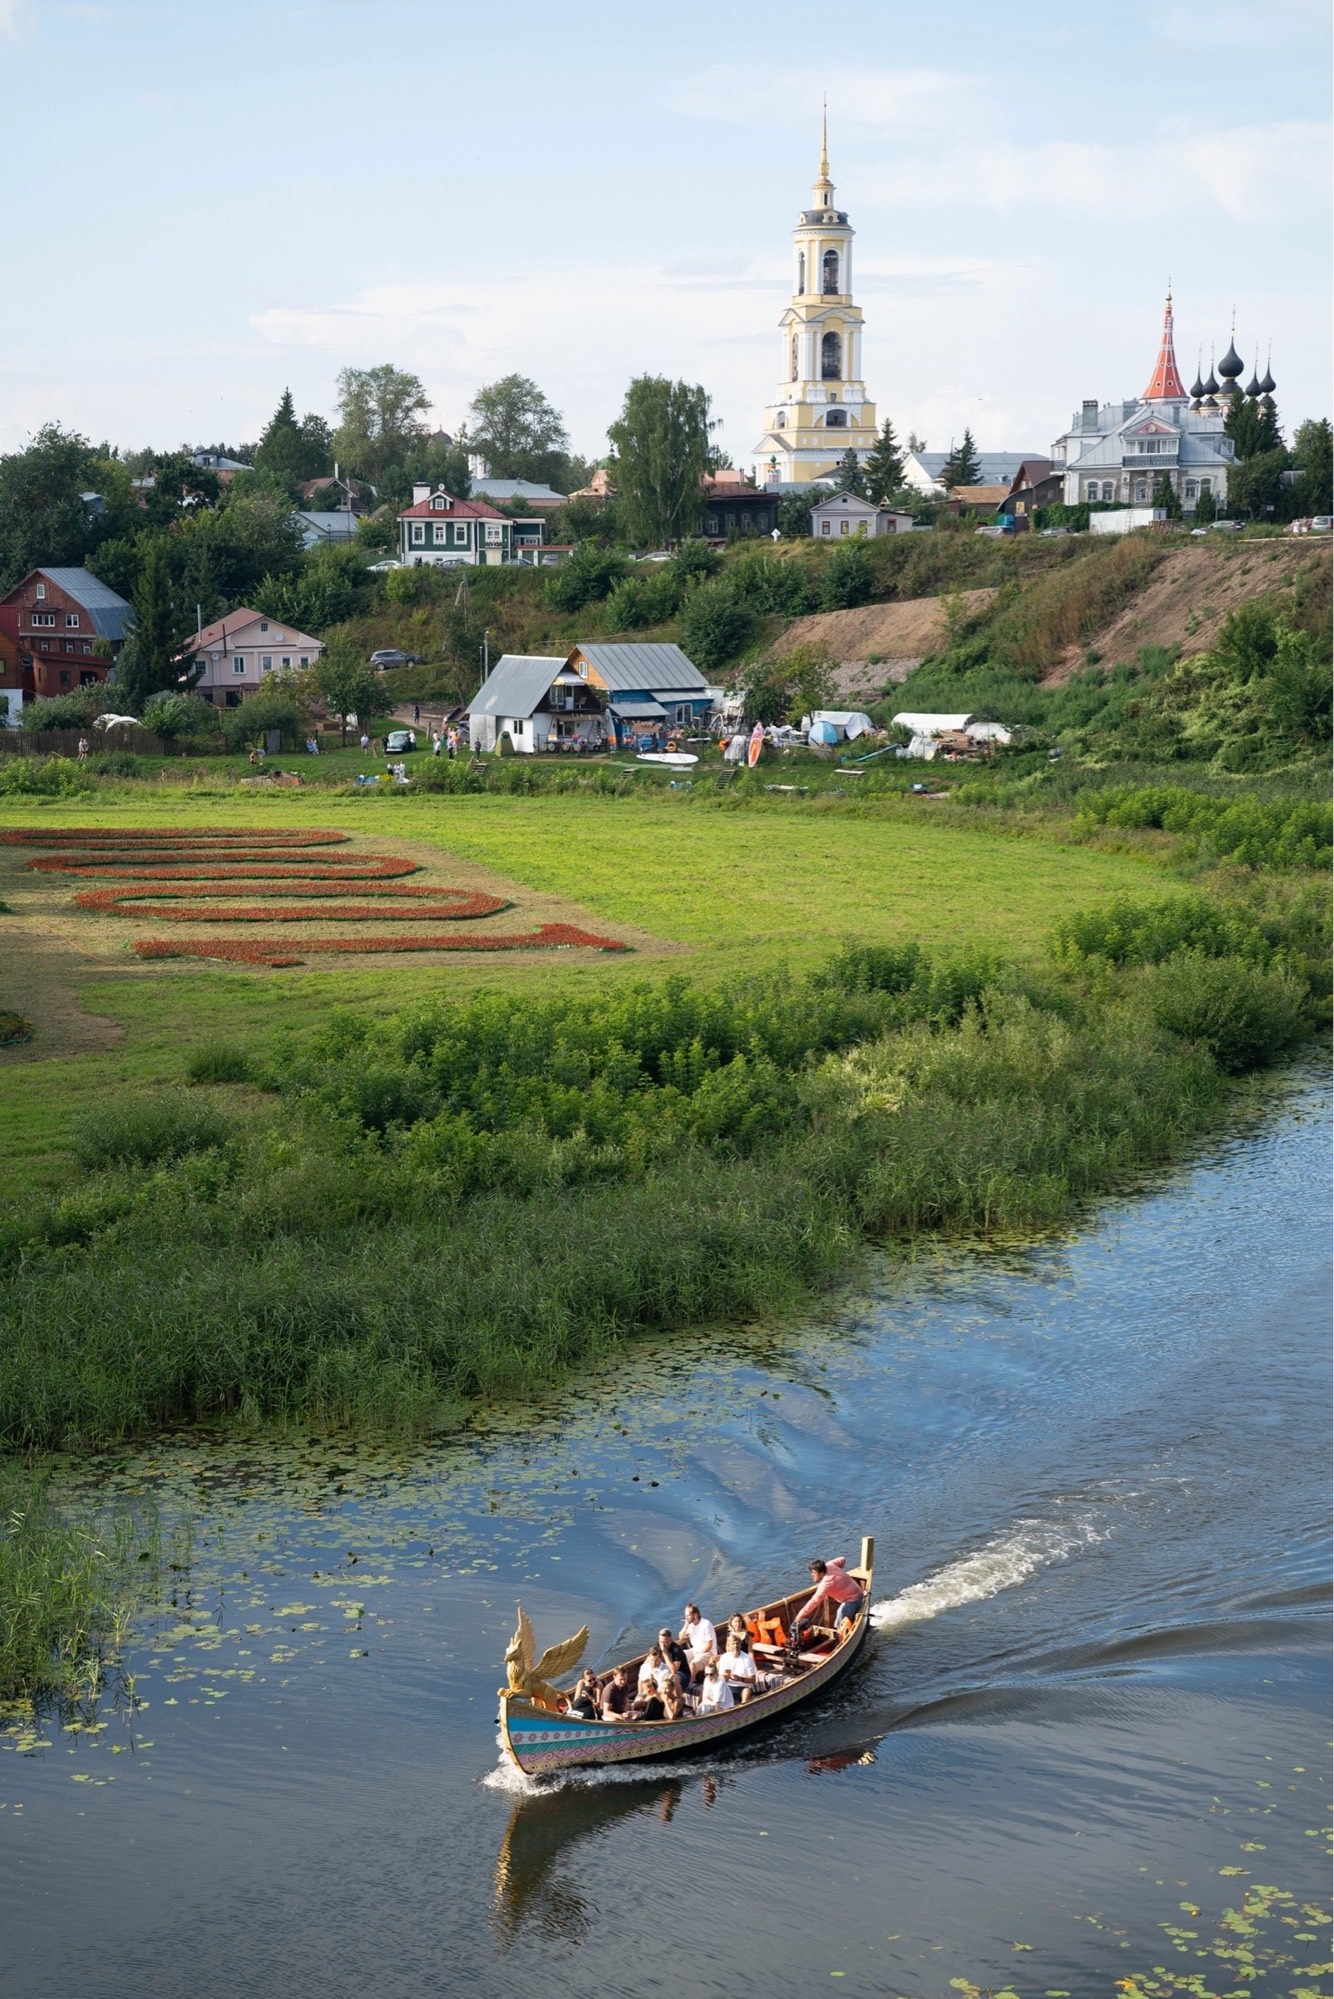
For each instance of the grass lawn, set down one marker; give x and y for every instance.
(722, 892)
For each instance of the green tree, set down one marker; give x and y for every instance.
(848, 474)
(1206, 510)
(586, 578)
(794, 515)
(661, 440)
(847, 578)
(379, 412)
(44, 520)
(1166, 496)
(179, 487)
(173, 715)
(350, 685)
(1255, 487)
(148, 661)
(279, 704)
(963, 467)
(1313, 455)
(692, 559)
(884, 468)
(428, 460)
(294, 451)
(714, 627)
(517, 431)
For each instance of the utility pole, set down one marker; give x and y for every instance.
(486, 653)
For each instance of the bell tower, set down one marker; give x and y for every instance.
(821, 407)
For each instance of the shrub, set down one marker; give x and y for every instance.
(220, 1063)
(848, 578)
(141, 1131)
(1243, 1015)
(14, 1028)
(43, 777)
(586, 578)
(693, 560)
(714, 627)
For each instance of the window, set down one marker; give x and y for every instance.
(824, 527)
(831, 270)
(200, 661)
(460, 534)
(1191, 489)
(41, 593)
(843, 526)
(711, 526)
(837, 420)
(1206, 486)
(43, 617)
(305, 659)
(264, 624)
(1108, 490)
(287, 660)
(87, 648)
(831, 358)
(418, 537)
(44, 645)
(1091, 490)
(439, 503)
(781, 420)
(440, 533)
(794, 357)
(238, 665)
(683, 712)
(495, 533)
(64, 679)
(266, 664)
(71, 621)
(801, 270)
(1141, 489)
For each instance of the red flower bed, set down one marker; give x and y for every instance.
(377, 868)
(272, 951)
(448, 904)
(71, 836)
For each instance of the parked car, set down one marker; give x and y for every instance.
(391, 656)
(1050, 534)
(1225, 527)
(399, 742)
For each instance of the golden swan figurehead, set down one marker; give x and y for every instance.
(530, 1676)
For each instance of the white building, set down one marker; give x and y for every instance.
(847, 514)
(821, 408)
(1116, 452)
(922, 469)
(238, 652)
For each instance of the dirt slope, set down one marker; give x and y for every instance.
(899, 637)
(1186, 600)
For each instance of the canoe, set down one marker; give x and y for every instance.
(540, 1739)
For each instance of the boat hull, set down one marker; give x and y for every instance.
(542, 1743)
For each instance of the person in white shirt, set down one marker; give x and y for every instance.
(655, 1672)
(714, 1692)
(700, 1640)
(738, 1669)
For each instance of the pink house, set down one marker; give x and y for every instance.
(238, 652)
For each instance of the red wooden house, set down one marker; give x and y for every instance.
(49, 625)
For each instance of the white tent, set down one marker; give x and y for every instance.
(988, 732)
(849, 722)
(931, 725)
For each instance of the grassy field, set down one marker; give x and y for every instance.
(714, 893)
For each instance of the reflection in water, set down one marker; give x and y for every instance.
(542, 1827)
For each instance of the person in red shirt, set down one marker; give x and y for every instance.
(833, 1585)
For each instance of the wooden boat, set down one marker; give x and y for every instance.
(539, 1737)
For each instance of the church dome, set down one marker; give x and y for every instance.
(1211, 386)
(1197, 387)
(1267, 382)
(1231, 364)
(1253, 386)
(1210, 402)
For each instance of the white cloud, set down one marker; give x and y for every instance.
(10, 15)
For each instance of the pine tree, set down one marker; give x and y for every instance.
(1165, 496)
(849, 474)
(884, 467)
(963, 467)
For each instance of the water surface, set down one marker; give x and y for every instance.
(1091, 1721)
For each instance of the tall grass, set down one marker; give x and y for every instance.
(474, 1197)
(67, 1589)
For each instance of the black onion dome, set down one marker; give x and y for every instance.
(1267, 384)
(1197, 388)
(1211, 386)
(1253, 386)
(1231, 364)
(1210, 403)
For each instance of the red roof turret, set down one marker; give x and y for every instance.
(1165, 385)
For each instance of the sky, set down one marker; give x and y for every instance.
(206, 201)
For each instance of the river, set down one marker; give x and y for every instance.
(1088, 1736)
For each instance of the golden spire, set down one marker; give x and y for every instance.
(822, 187)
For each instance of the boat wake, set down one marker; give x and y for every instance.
(1009, 1559)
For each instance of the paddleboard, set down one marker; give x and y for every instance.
(756, 745)
(678, 759)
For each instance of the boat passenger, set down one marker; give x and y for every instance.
(586, 1699)
(714, 1692)
(616, 1697)
(673, 1700)
(699, 1639)
(738, 1669)
(833, 1585)
(655, 1672)
(674, 1656)
(648, 1704)
(736, 1628)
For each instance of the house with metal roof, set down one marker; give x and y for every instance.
(60, 629)
(440, 531)
(535, 700)
(230, 658)
(922, 469)
(650, 685)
